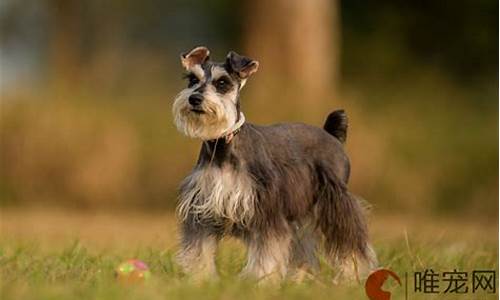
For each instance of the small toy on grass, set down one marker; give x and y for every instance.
(132, 271)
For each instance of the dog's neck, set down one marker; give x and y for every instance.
(220, 150)
(231, 132)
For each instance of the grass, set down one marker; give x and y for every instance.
(51, 254)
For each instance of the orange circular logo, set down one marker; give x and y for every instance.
(375, 281)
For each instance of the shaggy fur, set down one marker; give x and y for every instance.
(282, 189)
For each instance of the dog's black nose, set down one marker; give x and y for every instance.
(195, 99)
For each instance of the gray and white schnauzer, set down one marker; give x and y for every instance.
(281, 189)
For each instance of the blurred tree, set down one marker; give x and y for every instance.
(297, 43)
(420, 80)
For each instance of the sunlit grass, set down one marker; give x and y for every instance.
(41, 266)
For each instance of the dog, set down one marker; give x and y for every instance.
(281, 189)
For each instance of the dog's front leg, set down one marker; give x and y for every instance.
(197, 254)
(268, 256)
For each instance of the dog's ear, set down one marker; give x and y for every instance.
(241, 65)
(197, 56)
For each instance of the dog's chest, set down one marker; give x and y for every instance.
(219, 195)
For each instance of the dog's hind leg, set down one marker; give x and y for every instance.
(354, 267)
(303, 257)
(197, 254)
(341, 218)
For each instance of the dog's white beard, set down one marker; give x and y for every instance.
(218, 194)
(214, 123)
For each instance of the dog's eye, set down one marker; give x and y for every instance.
(222, 84)
(192, 80)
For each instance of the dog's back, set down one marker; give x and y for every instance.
(286, 144)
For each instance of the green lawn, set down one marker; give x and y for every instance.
(69, 255)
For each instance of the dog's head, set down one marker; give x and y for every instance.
(209, 106)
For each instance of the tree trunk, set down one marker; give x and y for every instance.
(65, 41)
(297, 44)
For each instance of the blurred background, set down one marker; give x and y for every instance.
(87, 88)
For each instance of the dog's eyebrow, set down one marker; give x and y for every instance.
(218, 72)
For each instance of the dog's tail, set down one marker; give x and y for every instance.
(336, 125)
(341, 219)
